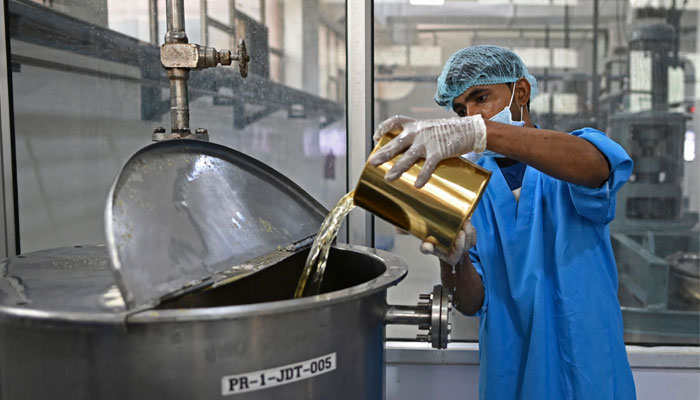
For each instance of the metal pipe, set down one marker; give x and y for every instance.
(567, 27)
(203, 26)
(263, 15)
(360, 224)
(9, 224)
(153, 21)
(407, 315)
(179, 100)
(234, 25)
(175, 21)
(594, 72)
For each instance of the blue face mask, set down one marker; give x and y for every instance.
(505, 117)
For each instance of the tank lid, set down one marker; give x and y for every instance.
(185, 214)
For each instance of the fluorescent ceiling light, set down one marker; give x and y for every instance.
(426, 2)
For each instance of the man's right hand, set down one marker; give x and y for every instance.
(431, 139)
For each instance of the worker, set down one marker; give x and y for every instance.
(541, 275)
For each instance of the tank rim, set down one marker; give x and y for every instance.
(396, 270)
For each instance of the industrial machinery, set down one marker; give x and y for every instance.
(656, 244)
(178, 57)
(192, 297)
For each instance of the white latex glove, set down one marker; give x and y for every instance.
(394, 123)
(432, 139)
(466, 239)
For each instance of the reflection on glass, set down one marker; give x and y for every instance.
(635, 77)
(89, 90)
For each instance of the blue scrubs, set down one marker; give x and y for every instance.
(551, 325)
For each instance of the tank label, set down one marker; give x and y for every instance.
(267, 378)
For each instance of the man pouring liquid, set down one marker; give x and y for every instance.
(541, 275)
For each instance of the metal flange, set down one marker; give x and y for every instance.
(431, 314)
(440, 317)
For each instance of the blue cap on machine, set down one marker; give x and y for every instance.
(480, 65)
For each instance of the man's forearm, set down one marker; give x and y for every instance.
(465, 284)
(557, 154)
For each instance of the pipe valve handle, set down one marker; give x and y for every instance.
(243, 58)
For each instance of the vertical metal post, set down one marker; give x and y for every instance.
(179, 100)
(153, 21)
(175, 16)
(360, 106)
(310, 16)
(594, 70)
(263, 16)
(234, 25)
(150, 96)
(567, 26)
(9, 232)
(203, 25)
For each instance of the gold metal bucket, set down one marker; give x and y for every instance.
(435, 212)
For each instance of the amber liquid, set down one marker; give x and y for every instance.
(318, 255)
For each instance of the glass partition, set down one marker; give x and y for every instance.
(629, 68)
(89, 90)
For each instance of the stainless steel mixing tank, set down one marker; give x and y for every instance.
(185, 303)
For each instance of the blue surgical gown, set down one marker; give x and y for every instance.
(550, 324)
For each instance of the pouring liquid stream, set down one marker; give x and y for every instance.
(318, 255)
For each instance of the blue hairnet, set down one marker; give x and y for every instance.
(480, 65)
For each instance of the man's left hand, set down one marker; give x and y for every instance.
(466, 239)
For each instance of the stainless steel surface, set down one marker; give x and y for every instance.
(407, 315)
(72, 283)
(8, 233)
(187, 213)
(360, 125)
(175, 21)
(57, 328)
(179, 101)
(432, 315)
